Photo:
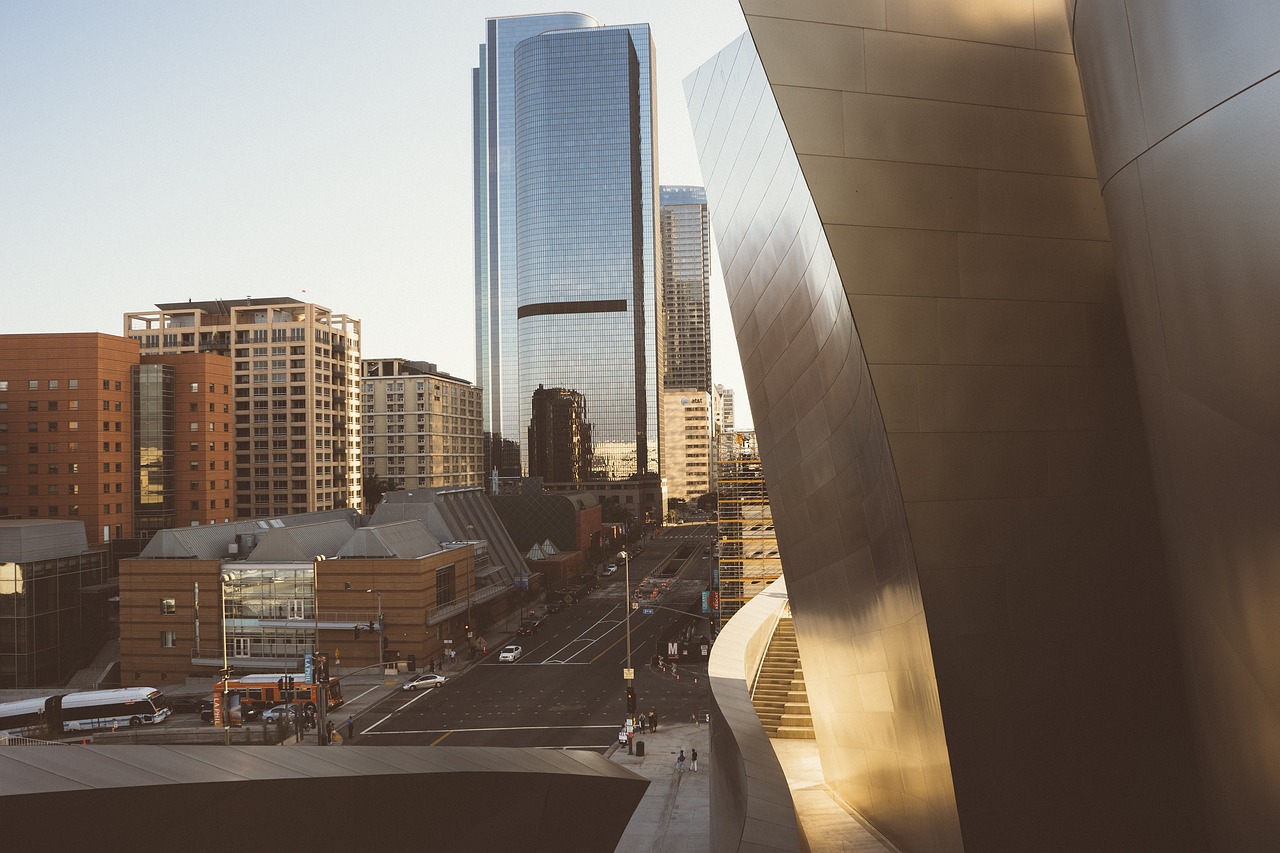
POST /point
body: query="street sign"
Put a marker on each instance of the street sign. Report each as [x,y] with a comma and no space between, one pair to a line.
[306,668]
[628,674]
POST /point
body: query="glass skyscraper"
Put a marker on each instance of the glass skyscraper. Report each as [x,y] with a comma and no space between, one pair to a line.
[566,235]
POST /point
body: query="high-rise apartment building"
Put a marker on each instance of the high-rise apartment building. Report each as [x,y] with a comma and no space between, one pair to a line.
[421,426]
[686,287]
[566,235]
[295,397]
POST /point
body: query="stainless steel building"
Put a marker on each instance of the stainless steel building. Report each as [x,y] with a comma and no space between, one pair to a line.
[1013,386]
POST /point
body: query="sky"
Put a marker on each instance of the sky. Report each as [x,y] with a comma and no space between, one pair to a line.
[164,151]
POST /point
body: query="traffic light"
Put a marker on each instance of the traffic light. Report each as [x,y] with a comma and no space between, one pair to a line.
[631,700]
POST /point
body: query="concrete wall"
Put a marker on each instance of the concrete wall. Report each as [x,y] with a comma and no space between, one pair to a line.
[752,809]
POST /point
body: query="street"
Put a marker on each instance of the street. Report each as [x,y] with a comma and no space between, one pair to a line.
[567,688]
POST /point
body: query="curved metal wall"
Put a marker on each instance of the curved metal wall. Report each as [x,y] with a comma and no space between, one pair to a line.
[960,483]
[1184,103]
[849,566]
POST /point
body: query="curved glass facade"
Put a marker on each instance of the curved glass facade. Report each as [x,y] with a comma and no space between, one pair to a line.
[585,236]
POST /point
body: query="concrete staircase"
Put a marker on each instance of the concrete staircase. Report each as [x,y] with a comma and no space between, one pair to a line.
[780,698]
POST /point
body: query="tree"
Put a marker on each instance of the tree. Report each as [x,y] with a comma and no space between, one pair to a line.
[374,488]
[709,501]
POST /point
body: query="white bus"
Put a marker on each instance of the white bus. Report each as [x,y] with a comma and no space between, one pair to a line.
[90,709]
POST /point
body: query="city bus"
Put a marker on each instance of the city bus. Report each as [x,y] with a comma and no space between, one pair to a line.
[264,690]
[89,709]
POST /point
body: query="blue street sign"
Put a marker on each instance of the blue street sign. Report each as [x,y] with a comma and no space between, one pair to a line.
[307,669]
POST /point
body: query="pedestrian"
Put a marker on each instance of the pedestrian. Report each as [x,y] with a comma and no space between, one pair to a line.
[351,728]
[643,722]
[693,760]
[653,720]
[331,732]
[693,718]
[680,762]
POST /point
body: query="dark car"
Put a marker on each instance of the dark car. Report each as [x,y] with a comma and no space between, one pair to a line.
[555,605]
[188,704]
[527,627]
[206,710]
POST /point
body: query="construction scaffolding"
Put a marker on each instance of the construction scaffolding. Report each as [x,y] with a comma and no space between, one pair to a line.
[748,546]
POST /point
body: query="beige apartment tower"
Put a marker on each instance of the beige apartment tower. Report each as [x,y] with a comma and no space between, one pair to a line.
[421,426]
[295,397]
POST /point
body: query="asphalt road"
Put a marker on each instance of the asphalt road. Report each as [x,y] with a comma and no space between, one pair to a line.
[567,688]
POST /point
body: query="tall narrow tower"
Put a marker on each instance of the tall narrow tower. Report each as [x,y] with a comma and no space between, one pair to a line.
[567,276]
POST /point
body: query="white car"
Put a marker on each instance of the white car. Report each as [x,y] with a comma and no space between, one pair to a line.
[510,654]
[280,712]
[424,681]
[611,569]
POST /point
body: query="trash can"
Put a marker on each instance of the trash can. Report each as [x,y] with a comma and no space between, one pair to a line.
[640,748]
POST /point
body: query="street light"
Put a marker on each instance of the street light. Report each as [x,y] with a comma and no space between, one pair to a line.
[226,665]
[381,625]
[626,604]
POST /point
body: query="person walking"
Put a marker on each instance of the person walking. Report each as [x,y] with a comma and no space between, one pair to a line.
[330,732]
[653,720]
[693,760]
[680,762]
[351,728]
[644,722]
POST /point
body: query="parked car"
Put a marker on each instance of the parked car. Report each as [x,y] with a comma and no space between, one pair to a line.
[423,682]
[611,569]
[280,712]
[510,654]
[555,605]
[188,704]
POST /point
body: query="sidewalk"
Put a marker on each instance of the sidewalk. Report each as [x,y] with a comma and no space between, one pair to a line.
[675,814]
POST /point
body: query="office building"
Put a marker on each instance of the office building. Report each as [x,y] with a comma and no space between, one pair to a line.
[296,400]
[264,593]
[687,439]
[421,426]
[66,426]
[182,458]
[686,288]
[56,591]
[559,436]
[566,235]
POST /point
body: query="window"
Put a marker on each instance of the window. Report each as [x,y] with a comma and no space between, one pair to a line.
[4,384]
[73,384]
[168,606]
[168,639]
[33,385]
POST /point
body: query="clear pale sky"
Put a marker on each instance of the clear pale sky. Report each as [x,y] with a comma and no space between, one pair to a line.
[163,151]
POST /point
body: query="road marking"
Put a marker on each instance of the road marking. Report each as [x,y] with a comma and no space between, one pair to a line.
[584,638]
[417,696]
[448,732]
[434,742]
